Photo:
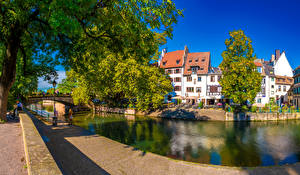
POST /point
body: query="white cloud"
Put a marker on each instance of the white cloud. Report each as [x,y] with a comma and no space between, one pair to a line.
[44,85]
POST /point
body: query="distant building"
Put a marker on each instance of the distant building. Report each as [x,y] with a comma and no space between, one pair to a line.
[277,78]
[296,88]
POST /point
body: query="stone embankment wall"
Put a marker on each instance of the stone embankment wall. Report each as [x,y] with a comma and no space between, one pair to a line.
[261,116]
[114,110]
[38,158]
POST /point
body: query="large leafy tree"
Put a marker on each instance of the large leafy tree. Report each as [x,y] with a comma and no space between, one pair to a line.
[240,81]
[70,30]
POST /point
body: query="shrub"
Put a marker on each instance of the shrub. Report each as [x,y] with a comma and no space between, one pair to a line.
[293,109]
[179,101]
[265,109]
[200,105]
[285,109]
[275,109]
[253,108]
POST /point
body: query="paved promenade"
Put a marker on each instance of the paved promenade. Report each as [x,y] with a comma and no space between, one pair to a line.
[12,156]
[76,151]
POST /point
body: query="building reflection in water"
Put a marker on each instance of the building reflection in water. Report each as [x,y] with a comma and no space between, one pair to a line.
[220,143]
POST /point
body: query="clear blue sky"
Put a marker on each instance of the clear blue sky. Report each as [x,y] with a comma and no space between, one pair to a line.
[271,24]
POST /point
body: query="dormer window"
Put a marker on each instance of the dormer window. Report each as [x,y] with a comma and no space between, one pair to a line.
[190,60]
[177,61]
[203,59]
[196,60]
[201,68]
[164,63]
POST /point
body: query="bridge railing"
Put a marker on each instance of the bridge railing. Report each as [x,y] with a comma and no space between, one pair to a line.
[48,95]
[41,112]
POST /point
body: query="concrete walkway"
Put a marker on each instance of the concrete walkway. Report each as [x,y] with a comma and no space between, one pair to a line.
[76,151]
[12,156]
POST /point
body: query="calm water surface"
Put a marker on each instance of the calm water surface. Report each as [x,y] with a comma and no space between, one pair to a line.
[219,143]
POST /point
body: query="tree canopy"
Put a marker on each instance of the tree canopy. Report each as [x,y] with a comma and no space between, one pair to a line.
[80,34]
[241,80]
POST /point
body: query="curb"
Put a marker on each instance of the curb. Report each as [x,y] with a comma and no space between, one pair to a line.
[38,158]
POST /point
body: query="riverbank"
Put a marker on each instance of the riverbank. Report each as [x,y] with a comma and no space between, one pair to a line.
[12,155]
[204,114]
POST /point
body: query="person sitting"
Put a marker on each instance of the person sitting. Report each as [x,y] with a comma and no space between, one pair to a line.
[19,105]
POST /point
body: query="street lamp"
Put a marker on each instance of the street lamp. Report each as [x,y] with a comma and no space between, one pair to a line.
[54,121]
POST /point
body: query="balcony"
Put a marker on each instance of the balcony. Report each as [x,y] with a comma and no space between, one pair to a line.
[213,90]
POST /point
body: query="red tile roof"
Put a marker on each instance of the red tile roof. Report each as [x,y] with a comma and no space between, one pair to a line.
[258,64]
[170,58]
[203,62]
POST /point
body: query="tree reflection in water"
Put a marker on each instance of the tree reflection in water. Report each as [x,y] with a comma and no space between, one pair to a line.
[225,143]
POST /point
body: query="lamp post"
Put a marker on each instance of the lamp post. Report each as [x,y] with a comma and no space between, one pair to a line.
[54,121]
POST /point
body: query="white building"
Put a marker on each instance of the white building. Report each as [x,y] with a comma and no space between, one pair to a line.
[192,76]
[277,79]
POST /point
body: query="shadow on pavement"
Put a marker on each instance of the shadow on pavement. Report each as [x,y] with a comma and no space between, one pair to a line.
[69,159]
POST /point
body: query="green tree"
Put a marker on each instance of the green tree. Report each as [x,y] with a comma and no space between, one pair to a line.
[52,31]
[241,80]
[67,85]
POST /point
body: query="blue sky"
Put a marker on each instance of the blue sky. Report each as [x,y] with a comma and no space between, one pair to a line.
[271,24]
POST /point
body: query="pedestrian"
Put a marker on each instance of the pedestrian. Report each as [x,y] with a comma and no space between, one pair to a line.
[54,119]
[70,116]
[19,105]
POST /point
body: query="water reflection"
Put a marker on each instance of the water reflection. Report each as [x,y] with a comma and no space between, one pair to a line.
[219,143]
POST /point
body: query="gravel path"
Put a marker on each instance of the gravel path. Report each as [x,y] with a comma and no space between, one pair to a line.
[12,156]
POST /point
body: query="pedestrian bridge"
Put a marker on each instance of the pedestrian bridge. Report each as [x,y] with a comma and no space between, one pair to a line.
[64,99]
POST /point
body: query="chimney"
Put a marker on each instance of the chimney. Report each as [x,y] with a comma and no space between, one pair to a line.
[277,54]
[186,51]
[163,52]
[272,58]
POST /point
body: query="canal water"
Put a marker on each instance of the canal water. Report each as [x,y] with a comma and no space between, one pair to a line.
[219,143]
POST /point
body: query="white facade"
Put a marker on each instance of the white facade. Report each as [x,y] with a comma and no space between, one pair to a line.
[176,75]
[282,66]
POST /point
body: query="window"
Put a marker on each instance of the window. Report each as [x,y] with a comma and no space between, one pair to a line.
[164,63]
[170,71]
[198,89]
[212,78]
[284,88]
[279,88]
[177,79]
[259,69]
[189,78]
[190,60]
[272,86]
[190,89]
[264,81]
[178,71]
[203,59]
[177,88]
[272,79]
[201,68]
[199,78]
[219,78]
[171,79]
[177,61]
[259,100]
[272,92]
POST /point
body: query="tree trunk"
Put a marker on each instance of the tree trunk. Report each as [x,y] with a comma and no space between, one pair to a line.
[8,71]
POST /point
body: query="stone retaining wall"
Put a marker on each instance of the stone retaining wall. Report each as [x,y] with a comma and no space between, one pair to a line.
[38,158]
[261,116]
[114,110]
